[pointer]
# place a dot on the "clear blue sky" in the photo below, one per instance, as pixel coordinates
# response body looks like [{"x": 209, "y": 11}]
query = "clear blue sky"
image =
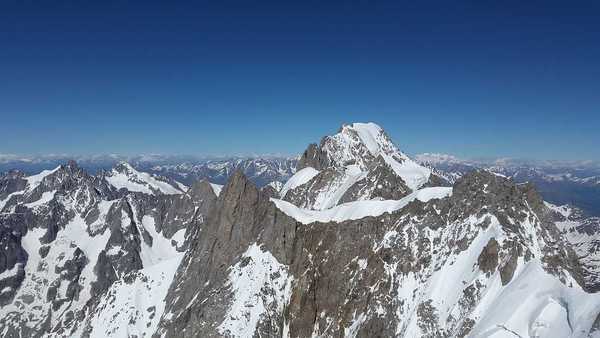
[{"x": 480, "y": 78}]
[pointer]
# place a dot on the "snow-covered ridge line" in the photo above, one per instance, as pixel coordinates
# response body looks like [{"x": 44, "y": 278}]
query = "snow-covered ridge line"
[
  {"x": 359, "y": 209},
  {"x": 34, "y": 180}
]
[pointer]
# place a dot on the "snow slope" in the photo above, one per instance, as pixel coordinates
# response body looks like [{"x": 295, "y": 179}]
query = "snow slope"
[
  {"x": 216, "y": 188},
  {"x": 375, "y": 139},
  {"x": 248, "y": 283},
  {"x": 299, "y": 178},
  {"x": 125, "y": 176},
  {"x": 536, "y": 304},
  {"x": 34, "y": 180},
  {"x": 133, "y": 306},
  {"x": 358, "y": 209},
  {"x": 41, "y": 273}
]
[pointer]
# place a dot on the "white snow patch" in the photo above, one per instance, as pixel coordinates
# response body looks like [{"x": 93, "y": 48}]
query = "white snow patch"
[
  {"x": 331, "y": 194},
  {"x": 103, "y": 209},
  {"x": 113, "y": 250},
  {"x": 300, "y": 177},
  {"x": 250, "y": 302},
  {"x": 179, "y": 237},
  {"x": 276, "y": 185},
  {"x": 373, "y": 137},
  {"x": 11, "y": 272},
  {"x": 137, "y": 181},
  {"x": 8, "y": 197},
  {"x": 135, "y": 309},
  {"x": 563, "y": 210},
  {"x": 161, "y": 248},
  {"x": 40, "y": 272},
  {"x": 216, "y": 188},
  {"x": 362, "y": 263},
  {"x": 182, "y": 186},
  {"x": 352, "y": 330},
  {"x": 370, "y": 134},
  {"x": 412, "y": 173},
  {"x": 536, "y": 304},
  {"x": 34, "y": 180},
  {"x": 45, "y": 198},
  {"x": 358, "y": 209}
]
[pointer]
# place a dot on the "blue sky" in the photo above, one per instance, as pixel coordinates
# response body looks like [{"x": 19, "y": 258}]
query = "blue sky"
[{"x": 518, "y": 79}]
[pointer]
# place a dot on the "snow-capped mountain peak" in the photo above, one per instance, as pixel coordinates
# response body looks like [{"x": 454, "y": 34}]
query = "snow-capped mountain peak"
[
  {"x": 363, "y": 143},
  {"x": 123, "y": 175},
  {"x": 359, "y": 143},
  {"x": 373, "y": 137},
  {"x": 360, "y": 162}
]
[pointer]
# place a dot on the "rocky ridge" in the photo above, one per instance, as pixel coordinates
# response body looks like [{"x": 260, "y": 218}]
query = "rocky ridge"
[{"x": 71, "y": 239}]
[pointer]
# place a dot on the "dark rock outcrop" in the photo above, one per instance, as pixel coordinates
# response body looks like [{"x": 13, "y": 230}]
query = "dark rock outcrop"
[{"x": 314, "y": 157}]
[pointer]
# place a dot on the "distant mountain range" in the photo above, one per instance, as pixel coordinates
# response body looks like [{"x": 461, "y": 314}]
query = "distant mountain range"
[
  {"x": 185, "y": 169},
  {"x": 559, "y": 182}
]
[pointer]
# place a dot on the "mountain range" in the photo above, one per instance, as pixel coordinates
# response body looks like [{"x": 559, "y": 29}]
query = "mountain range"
[
  {"x": 354, "y": 238},
  {"x": 561, "y": 182}
]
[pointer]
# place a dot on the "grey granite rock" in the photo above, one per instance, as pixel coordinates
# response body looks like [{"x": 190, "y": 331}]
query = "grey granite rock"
[{"x": 314, "y": 157}]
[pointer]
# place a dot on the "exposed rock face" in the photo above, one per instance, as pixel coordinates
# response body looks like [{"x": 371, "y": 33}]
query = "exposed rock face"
[
  {"x": 583, "y": 234},
  {"x": 70, "y": 237},
  {"x": 314, "y": 157},
  {"x": 12, "y": 262},
  {"x": 380, "y": 183},
  {"x": 321, "y": 192},
  {"x": 488, "y": 259},
  {"x": 270, "y": 191},
  {"x": 11, "y": 182},
  {"x": 436, "y": 179},
  {"x": 198, "y": 297},
  {"x": 369, "y": 277}
]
